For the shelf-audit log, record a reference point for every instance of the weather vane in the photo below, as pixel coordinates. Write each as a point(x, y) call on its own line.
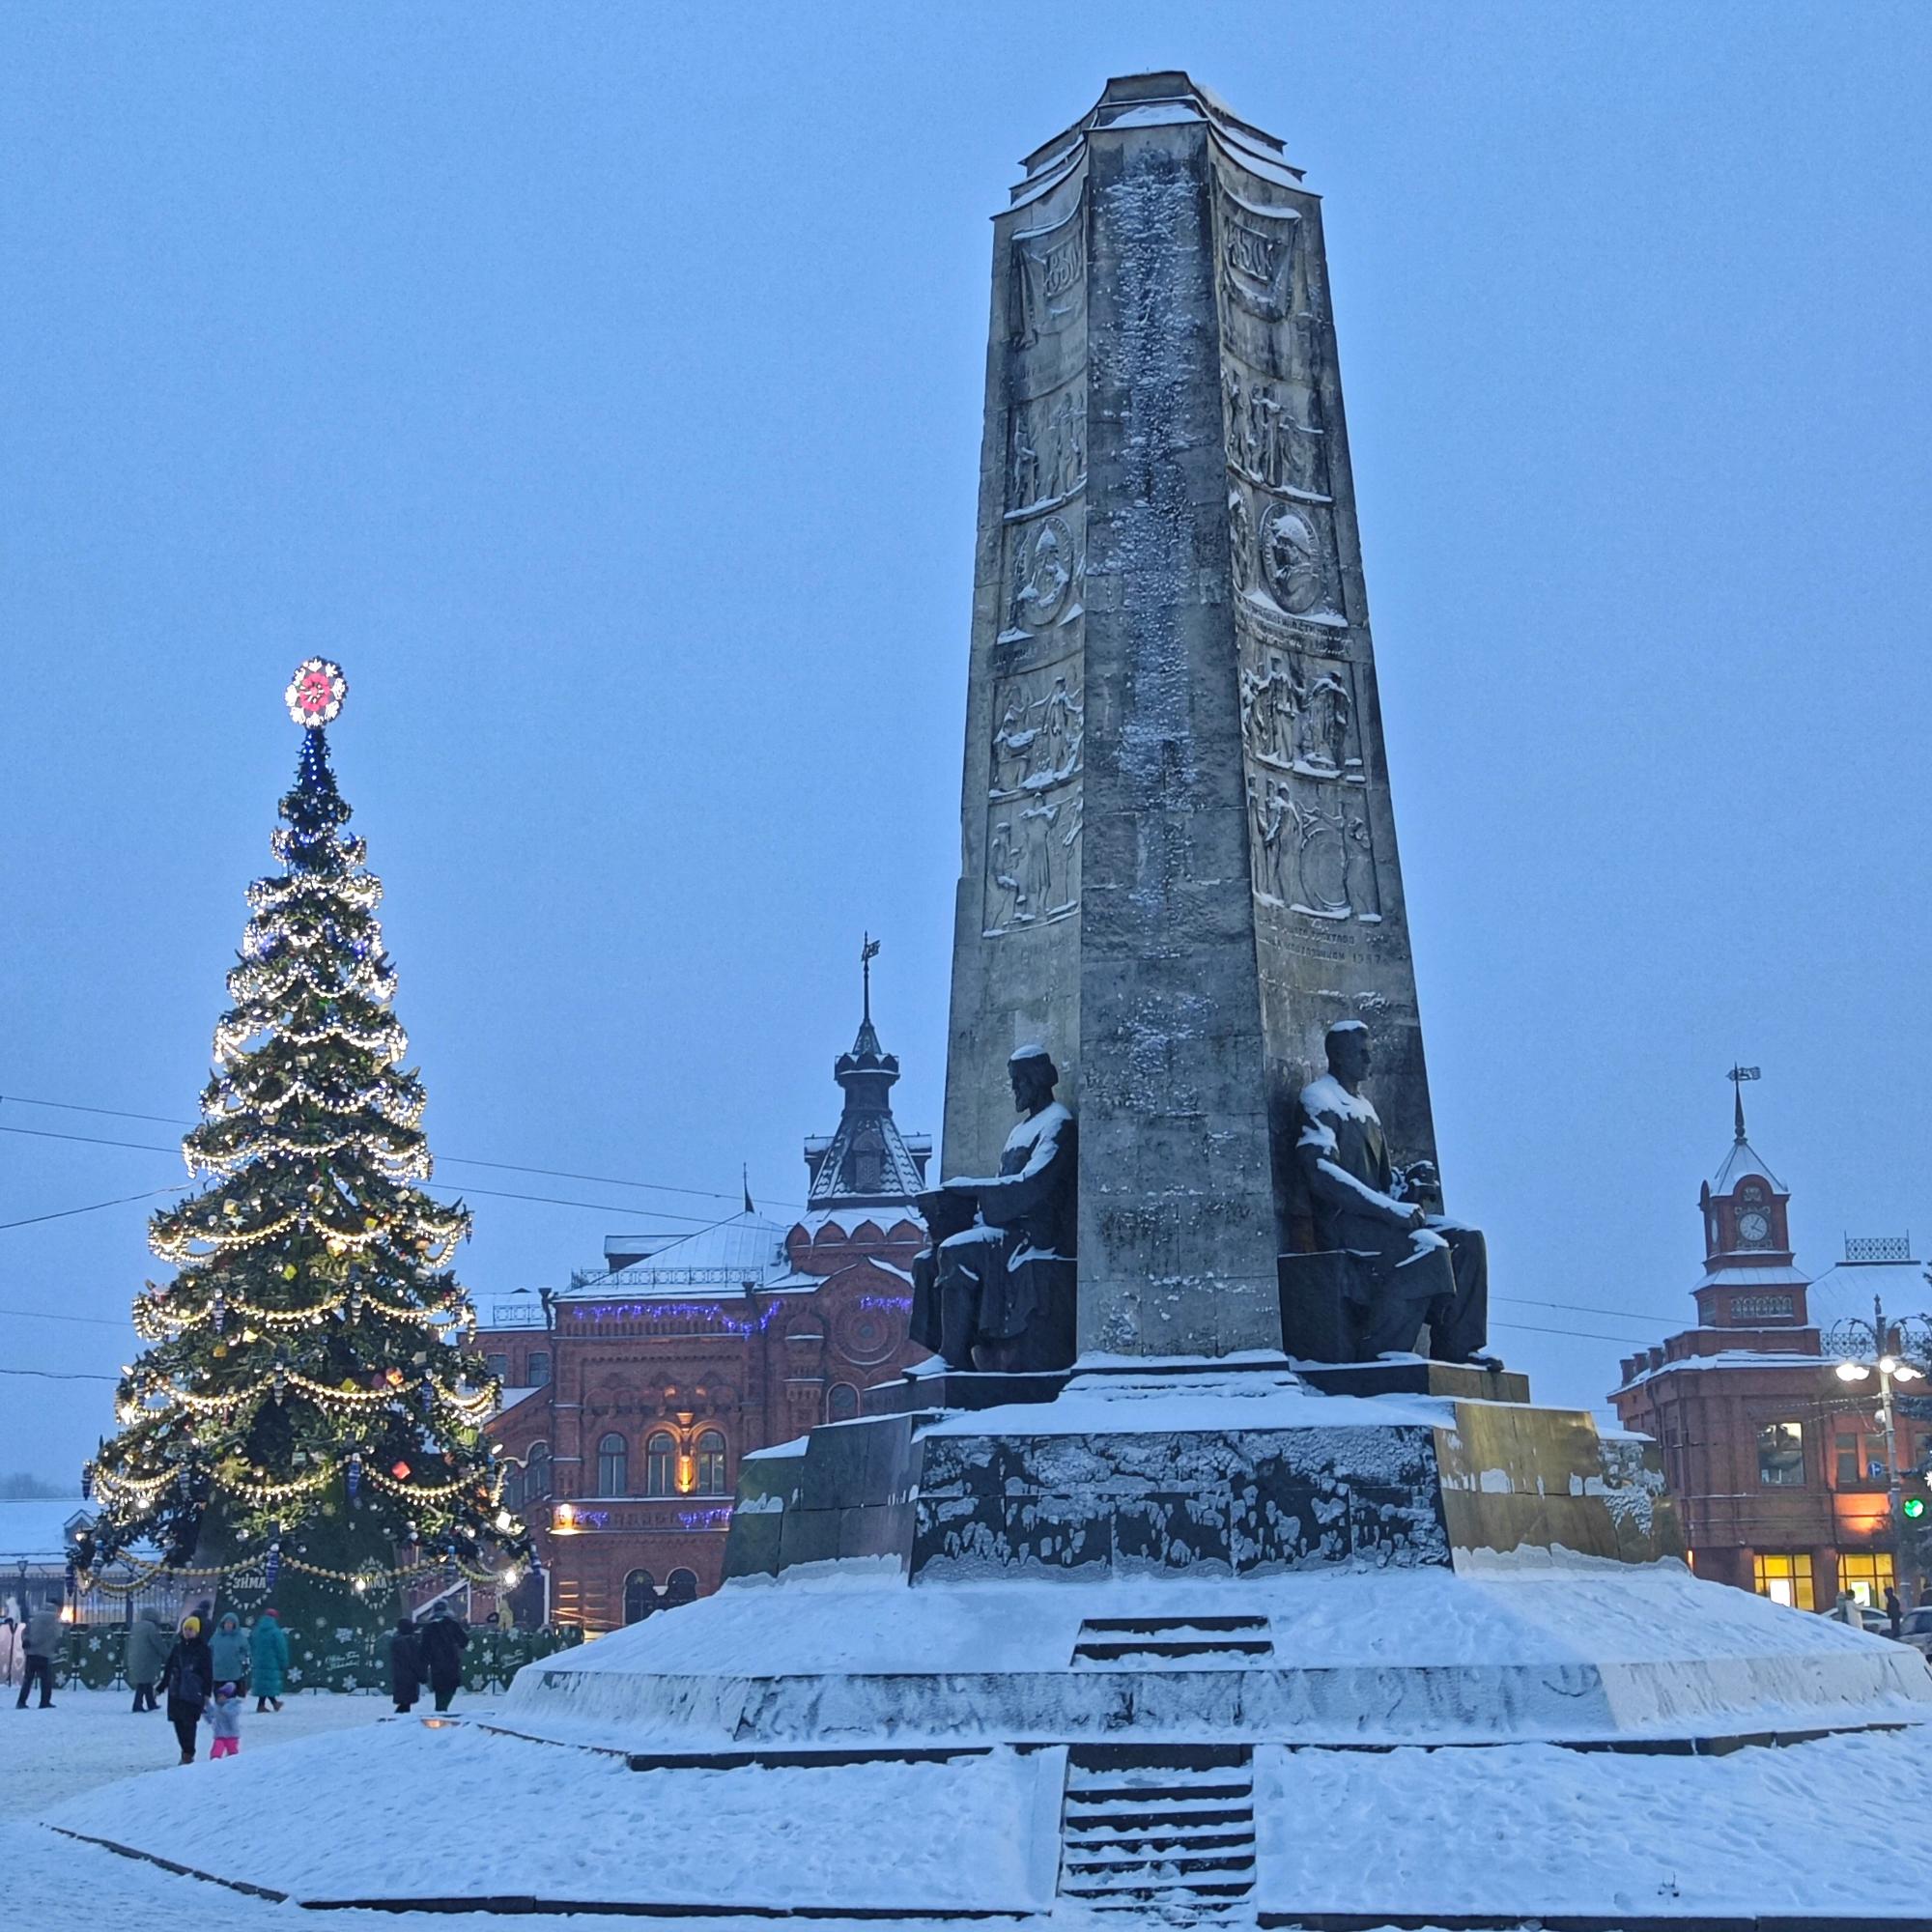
point(868, 951)
point(315, 693)
point(1737, 1076)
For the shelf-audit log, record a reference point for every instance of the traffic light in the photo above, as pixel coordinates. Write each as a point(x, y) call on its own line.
point(1912, 1508)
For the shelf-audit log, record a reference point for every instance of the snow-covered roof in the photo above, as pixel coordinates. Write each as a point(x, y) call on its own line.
point(37, 1529)
point(1733, 1358)
point(1752, 1277)
point(1844, 1291)
point(849, 1220)
point(1740, 1159)
point(744, 1248)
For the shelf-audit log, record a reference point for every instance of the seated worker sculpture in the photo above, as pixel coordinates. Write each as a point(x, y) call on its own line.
point(995, 1289)
point(1409, 1267)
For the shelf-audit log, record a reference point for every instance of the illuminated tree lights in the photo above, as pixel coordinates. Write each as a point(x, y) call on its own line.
point(303, 1403)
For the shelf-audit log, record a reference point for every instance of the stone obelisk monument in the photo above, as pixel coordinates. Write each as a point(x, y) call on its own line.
point(1180, 859)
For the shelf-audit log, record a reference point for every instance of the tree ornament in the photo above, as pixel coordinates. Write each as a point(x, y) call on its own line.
point(316, 693)
point(354, 1475)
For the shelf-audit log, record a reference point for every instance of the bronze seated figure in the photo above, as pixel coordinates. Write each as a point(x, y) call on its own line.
point(995, 1287)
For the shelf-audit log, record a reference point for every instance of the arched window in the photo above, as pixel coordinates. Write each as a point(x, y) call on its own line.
point(661, 1464)
point(536, 1473)
point(613, 1465)
point(842, 1403)
point(640, 1596)
point(711, 1465)
point(513, 1487)
point(539, 1369)
point(680, 1587)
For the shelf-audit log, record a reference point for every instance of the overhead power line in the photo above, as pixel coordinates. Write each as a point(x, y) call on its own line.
point(92, 1208)
point(58, 1376)
point(455, 1159)
point(41, 1314)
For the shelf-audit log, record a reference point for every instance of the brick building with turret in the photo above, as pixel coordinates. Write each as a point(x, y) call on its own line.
point(1785, 1478)
point(632, 1395)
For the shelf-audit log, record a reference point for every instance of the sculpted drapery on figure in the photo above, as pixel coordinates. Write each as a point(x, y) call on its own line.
point(1410, 1267)
point(995, 1289)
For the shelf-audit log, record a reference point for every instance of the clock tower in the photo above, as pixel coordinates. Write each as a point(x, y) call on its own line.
point(1749, 1279)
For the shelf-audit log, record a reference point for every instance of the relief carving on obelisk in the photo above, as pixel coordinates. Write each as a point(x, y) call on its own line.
point(1311, 841)
point(1033, 792)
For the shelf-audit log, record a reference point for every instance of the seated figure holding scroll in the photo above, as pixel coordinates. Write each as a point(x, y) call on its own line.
point(1004, 1287)
point(1411, 1267)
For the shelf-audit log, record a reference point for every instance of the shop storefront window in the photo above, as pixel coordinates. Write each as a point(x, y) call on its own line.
point(1867, 1574)
point(1784, 1575)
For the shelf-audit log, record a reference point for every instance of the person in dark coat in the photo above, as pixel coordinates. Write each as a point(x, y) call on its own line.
point(1894, 1612)
point(42, 1646)
point(405, 1665)
point(146, 1652)
point(188, 1680)
point(443, 1642)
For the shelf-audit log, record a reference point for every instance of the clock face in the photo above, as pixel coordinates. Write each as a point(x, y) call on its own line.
point(1754, 1226)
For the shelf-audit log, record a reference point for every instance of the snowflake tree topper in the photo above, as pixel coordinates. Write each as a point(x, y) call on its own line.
point(315, 693)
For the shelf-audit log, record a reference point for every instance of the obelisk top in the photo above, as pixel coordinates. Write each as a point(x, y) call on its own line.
point(1152, 99)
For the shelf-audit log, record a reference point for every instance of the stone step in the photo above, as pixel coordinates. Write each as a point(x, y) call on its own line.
point(1208, 1838)
point(1171, 1639)
point(1228, 1848)
point(1169, 1828)
point(1089, 1652)
point(1148, 1626)
point(1151, 1818)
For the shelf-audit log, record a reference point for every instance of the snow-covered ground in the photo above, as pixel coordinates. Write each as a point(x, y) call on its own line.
point(91, 1737)
point(91, 1742)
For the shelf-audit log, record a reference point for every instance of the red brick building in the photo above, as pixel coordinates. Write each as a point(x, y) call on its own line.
point(1779, 1465)
point(632, 1395)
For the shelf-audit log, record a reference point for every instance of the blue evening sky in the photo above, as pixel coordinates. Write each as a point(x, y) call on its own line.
point(601, 386)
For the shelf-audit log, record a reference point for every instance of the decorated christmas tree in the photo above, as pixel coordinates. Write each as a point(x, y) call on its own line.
point(302, 1424)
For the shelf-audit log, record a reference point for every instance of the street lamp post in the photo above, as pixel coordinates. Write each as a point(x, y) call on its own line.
point(1889, 1368)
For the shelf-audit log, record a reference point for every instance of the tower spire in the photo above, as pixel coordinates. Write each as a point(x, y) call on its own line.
point(1737, 1076)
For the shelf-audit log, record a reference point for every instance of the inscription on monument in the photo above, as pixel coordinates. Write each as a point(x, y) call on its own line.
point(1049, 275)
point(1257, 256)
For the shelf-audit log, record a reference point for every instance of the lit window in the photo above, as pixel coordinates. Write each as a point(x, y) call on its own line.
point(711, 1463)
point(660, 1465)
point(536, 1473)
point(842, 1403)
point(1784, 1575)
point(1867, 1574)
point(539, 1372)
point(1780, 1455)
point(613, 1465)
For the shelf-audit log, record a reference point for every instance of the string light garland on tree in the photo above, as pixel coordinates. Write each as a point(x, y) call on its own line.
point(302, 1406)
